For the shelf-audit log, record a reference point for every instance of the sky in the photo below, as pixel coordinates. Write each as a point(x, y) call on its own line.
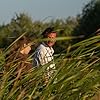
point(40, 9)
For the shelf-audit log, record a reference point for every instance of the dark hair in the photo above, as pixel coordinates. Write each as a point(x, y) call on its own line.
point(47, 31)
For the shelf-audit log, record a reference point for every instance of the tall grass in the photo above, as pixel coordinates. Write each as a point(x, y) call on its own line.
point(77, 76)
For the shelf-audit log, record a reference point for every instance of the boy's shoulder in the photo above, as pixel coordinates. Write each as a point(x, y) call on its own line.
point(41, 47)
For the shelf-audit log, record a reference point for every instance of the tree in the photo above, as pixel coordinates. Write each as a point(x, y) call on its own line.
point(89, 20)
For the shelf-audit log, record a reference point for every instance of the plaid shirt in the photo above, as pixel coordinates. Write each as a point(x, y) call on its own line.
point(43, 55)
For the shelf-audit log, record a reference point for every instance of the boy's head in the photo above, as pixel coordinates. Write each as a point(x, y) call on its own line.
point(50, 34)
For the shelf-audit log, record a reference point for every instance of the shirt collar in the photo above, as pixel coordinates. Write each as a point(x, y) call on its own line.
point(45, 44)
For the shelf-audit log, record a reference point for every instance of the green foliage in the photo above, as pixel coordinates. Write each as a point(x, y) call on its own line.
point(22, 23)
point(89, 20)
point(2, 60)
point(77, 76)
point(65, 29)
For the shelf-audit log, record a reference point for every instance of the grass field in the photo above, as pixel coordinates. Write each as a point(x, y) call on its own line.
point(77, 76)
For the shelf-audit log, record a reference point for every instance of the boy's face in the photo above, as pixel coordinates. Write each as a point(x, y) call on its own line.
point(52, 37)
